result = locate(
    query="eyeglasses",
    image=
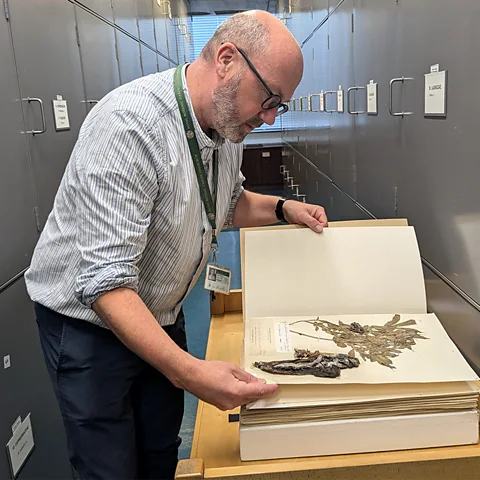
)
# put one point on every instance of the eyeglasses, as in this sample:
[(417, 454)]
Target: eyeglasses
[(273, 100)]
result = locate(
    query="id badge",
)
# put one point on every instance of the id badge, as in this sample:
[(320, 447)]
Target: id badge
[(217, 279)]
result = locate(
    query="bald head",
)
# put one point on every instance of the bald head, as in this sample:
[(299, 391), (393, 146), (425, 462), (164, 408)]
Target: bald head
[(247, 71), (260, 34)]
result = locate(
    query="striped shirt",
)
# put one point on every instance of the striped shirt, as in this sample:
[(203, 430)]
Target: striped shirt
[(128, 212)]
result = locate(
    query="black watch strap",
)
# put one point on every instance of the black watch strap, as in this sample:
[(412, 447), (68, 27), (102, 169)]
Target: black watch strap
[(279, 210)]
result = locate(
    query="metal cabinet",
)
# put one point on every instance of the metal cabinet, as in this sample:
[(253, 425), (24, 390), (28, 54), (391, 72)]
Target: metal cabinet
[(26, 389), (48, 66), (98, 54), (146, 23), (17, 203), (128, 57), (149, 60), (160, 17), (378, 136), (341, 78), (100, 7), (125, 15), (438, 170)]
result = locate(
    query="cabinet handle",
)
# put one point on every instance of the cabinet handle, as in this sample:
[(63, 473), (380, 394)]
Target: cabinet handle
[(390, 107), (359, 112), (310, 101), (328, 92), (308, 109), (42, 111)]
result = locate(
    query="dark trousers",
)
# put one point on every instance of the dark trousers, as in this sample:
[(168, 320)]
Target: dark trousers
[(122, 417)]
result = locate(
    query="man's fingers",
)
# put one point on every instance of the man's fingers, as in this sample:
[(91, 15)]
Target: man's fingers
[(310, 221), (246, 377), (255, 391)]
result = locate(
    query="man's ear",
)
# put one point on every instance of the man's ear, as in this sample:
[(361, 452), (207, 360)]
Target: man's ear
[(224, 59)]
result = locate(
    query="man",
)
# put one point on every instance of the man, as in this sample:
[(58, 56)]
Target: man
[(129, 235)]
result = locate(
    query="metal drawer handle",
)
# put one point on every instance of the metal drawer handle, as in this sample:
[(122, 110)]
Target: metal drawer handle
[(312, 95), (301, 104), (42, 111), (390, 107), (359, 112), (295, 104), (328, 92)]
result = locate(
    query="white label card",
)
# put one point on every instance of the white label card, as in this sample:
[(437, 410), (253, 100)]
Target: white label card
[(283, 337), (340, 101), (436, 94), (20, 445), (372, 98), (60, 111), (218, 279), (16, 424)]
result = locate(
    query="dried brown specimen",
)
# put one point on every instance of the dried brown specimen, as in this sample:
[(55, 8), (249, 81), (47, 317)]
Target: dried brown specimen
[(377, 343), (310, 363)]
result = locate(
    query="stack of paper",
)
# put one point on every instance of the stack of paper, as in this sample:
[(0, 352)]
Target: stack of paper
[(339, 321)]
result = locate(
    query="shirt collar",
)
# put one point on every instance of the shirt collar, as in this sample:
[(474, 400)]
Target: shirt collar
[(204, 141)]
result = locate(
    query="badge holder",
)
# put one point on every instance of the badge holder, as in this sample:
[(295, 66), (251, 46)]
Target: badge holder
[(217, 279)]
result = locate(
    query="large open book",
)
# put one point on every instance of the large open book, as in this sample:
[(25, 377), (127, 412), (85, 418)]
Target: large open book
[(339, 320)]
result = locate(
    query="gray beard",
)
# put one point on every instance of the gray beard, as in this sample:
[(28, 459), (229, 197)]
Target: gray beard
[(225, 111)]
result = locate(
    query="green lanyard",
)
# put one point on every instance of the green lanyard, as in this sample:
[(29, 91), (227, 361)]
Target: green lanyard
[(210, 204)]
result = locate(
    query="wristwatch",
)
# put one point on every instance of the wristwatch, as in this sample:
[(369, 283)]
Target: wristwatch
[(279, 209)]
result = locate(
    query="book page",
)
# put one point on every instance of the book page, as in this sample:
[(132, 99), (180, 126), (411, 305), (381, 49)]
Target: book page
[(348, 270), (353, 349)]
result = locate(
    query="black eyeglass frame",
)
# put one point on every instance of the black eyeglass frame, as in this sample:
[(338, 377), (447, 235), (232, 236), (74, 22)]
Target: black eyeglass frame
[(271, 95)]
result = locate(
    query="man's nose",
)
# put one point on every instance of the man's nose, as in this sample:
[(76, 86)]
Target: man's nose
[(269, 116)]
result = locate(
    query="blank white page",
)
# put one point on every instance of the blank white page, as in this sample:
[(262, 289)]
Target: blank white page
[(348, 270)]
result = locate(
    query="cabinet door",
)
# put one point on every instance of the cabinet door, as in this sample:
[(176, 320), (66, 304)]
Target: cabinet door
[(146, 23), (17, 216), (27, 389), (439, 168), (128, 57), (377, 140), (341, 78), (97, 48), (125, 15), (101, 7), (160, 20), (48, 66)]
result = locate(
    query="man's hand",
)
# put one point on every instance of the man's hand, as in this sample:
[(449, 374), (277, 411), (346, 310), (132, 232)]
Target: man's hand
[(312, 216), (255, 209), (224, 385)]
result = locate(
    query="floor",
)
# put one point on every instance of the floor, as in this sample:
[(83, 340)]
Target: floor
[(197, 318)]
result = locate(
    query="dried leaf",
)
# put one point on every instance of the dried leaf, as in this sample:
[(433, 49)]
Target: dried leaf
[(408, 322), (351, 353), (394, 320)]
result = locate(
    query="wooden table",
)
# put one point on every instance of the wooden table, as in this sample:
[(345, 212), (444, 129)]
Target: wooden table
[(216, 451)]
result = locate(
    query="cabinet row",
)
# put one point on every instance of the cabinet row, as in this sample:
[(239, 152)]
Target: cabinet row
[(409, 157), (50, 79)]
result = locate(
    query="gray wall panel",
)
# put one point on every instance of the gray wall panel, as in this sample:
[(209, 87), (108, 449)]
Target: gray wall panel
[(128, 57), (149, 60), (48, 64), (439, 168), (101, 7), (377, 137), (160, 22), (341, 74), (125, 15), (17, 201), (146, 24), (97, 47), (29, 390)]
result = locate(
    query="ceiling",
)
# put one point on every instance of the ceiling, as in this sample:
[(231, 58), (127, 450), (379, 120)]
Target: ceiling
[(214, 7)]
